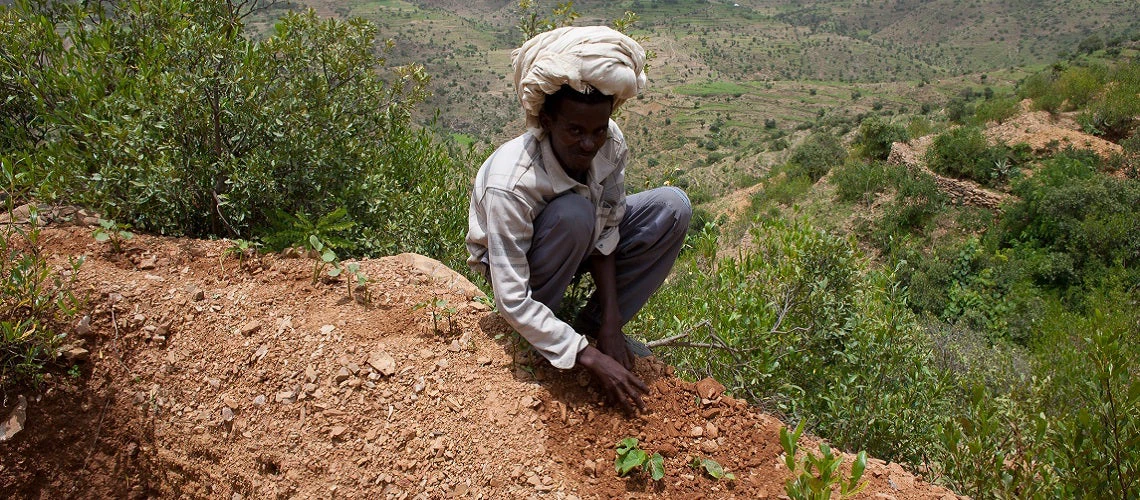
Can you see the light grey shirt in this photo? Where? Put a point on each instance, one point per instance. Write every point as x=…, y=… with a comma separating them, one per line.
x=512, y=187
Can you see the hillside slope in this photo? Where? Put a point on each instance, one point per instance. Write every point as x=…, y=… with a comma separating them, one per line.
x=206, y=379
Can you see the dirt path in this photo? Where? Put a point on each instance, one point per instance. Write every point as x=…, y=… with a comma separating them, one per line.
x=228, y=382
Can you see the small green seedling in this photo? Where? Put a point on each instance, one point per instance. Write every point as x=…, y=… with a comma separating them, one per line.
x=630, y=457
x=111, y=231
x=439, y=310
x=240, y=249
x=808, y=484
x=357, y=281
x=325, y=257
x=712, y=468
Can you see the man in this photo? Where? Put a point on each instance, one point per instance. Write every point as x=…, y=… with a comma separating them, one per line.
x=551, y=203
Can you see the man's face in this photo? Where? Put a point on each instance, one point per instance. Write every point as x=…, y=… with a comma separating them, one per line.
x=577, y=133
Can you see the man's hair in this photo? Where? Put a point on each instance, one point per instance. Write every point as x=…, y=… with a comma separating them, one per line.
x=553, y=101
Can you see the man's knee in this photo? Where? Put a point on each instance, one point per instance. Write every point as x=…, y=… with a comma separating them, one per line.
x=569, y=215
x=678, y=202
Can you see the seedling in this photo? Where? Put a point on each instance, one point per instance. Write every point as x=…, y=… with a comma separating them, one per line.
x=817, y=476
x=439, y=310
x=630, y=457
x=325, y=258
x=241, y=249
x=357, y=281
x=111, y=231
x=712, y=468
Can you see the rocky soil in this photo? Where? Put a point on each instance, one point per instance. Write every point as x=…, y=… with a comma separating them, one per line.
x=206, y=376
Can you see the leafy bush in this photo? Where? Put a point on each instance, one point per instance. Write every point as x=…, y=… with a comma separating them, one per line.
x=164, y=115
x=36, y=302
x=861, y=181
x=805, y=328
x=964, y=153
x=815, y=156
x=876, y=136
x=996, y=110
x=1081, y=222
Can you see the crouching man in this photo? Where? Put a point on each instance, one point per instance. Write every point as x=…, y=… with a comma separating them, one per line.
x=551, y=204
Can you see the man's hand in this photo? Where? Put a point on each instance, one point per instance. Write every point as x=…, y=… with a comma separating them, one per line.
x=611, y=342
x=618, y=382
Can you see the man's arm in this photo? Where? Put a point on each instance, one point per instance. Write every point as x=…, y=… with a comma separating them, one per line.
x=611, y=341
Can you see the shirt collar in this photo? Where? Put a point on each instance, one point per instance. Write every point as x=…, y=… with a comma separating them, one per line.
x=600, y=168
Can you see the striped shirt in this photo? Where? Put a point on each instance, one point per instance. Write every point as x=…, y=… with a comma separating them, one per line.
x=511, y=189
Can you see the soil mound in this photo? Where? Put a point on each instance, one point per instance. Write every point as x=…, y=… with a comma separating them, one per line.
x=210, y=378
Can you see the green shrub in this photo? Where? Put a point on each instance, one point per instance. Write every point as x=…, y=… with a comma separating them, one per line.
x=37, y=303
x=815, y=156
x=164, y=115
x=1072, y=223
x=964, y=153
x=861, y=181
x=810, y=331
x=996, y=110
x=875, y=137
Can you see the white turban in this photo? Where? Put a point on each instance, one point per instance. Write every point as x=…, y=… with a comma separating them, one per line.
x=581, y=57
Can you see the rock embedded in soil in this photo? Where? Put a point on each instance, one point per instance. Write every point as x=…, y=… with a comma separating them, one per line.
x=382, y=362
x=251, y=328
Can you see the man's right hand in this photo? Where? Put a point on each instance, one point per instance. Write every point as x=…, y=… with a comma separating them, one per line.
x=618, y=382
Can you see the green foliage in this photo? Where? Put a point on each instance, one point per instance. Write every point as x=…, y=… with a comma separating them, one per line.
x=964, y=153
x=815, y=156
x=37, y=303
x=818, y=475
x=803, y=327
x=111, y=231
x=873, y=142
x=631, y=457
x=164, y=115
x=861, y=181
x=531, y=20
x=996, y=110
x=712, y=468
x=1068, y=215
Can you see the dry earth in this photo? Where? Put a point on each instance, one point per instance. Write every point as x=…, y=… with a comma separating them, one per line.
x=209, y=379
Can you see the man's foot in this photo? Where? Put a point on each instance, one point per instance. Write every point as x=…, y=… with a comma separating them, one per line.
x=637, y=347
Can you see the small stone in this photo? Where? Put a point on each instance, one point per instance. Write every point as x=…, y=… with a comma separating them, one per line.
x=342, y=375
x=309, y=388
x=227, y=414
x=589, y=468
x=709, y=388
x=197, y=295
x=709, y=446
x=337, y=431
x=483, y=360
x=697, y=431
x=251, y=328
x=147, y=263
x=259, y=400
x=286, y=397
x=425, y=354
x=214, y=383
x=454, y=347
x=15, y=421
x=84, y=326
x=310, y=374
x=76, y=354
x=382, y=362
x=711, y=430
x=139, y=318
x=353, y=368
x=327, y=329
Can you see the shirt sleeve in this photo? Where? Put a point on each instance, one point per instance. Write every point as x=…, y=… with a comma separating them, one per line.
x=613, y=200
x=510, y=231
